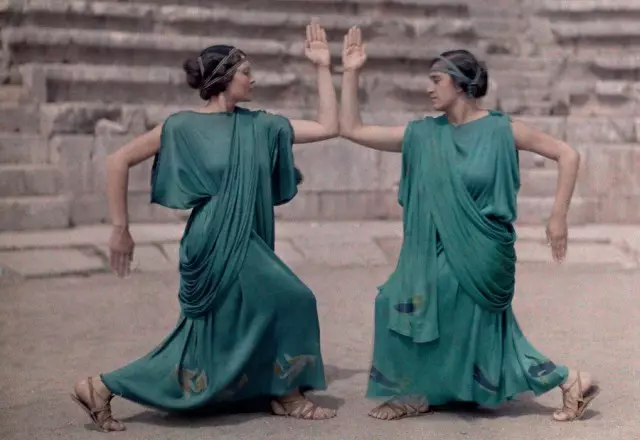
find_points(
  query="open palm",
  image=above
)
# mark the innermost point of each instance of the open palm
(316, 47)
(353, 55)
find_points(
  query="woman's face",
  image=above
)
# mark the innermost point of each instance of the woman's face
(241, 86)
(442, 90)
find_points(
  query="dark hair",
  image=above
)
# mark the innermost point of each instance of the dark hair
(199, 76)
(469, 65)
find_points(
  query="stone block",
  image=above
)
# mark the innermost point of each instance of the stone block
(76, 118)
(36, 263)
(337, 165)
(390, 165)
(552, 125)
(23, 148)
(19, 118)
(618, 209)
(538, 183)
(29, 213)
(72, 154)
(305, 206)
(146, 258)
(613, 169)
(288, 253)
(590, 6)
(583, 130)
(370, 205)
(29, 180)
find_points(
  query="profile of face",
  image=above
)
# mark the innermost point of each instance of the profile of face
(456, 75)
(442, 90)
(240, 88)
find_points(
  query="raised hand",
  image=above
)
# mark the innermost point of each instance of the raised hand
(316, 47)
(353, 55)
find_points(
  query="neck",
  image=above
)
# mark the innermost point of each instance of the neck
(220, 103)
(462, 111)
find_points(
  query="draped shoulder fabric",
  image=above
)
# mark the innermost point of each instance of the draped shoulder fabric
(444, 325)
(248, 325)
(225, 202)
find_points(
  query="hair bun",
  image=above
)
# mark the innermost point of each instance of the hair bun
(192, 69)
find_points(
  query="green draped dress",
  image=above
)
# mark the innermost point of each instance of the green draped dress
(444, 326)
(248, 327)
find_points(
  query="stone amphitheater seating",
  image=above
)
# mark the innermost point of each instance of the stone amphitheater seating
(82, 77)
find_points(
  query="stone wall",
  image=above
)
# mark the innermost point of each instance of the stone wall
(80, 78)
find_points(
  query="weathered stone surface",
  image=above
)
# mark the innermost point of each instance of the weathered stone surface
(72, 154)
(590, 6)
(19, 118)
(22, 148)
(76, 118)
(614, 170)
(538, 182)
(35, 263)
(341, 253)
(146, 258)
(29, 180)
(600, 129)
(596, 29)
(287, 252)
(345, 166)
(27, 213)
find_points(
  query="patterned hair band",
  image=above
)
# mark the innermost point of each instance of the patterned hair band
(453, 70)
(212, 77)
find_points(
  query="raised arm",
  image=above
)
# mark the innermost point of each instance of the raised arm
(118, 163)
(385, 138)
(530, 139)
(326, 124)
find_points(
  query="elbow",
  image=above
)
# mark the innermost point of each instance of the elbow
(569, 156)
(347, 131)
(116, 161)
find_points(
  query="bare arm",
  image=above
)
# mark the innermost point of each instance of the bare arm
(118, 163)
(326, 124)
(568, 159)
(351, 127)
(378, 137)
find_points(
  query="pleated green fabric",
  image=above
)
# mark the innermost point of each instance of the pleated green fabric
(248, 326)
(444, 326)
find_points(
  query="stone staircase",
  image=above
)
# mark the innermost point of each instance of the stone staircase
(83, 77)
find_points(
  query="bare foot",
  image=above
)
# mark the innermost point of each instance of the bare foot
(95, 399)
(298, 406)
(577, 393)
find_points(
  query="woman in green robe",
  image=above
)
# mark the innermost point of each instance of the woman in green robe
(445, 330)
(248, 326)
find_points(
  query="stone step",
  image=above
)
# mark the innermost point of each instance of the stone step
(30, 213)
(536, 210)
(19, 118)
(17, 180)
(103, 47)
(588, 32)
(416, 8)
(136, 84)
(577, 8)
(224, 22)
(610, 62)
(13, 94)
(538, 182)
(18, 148)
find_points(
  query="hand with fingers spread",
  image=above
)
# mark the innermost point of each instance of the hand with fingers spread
(121, 250)
(353, 54)
(557, 236)
(316, 47)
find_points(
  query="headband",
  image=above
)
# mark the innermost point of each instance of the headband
(211, 80)
(453, 70)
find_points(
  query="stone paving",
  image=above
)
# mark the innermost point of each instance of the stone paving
(84, 250)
